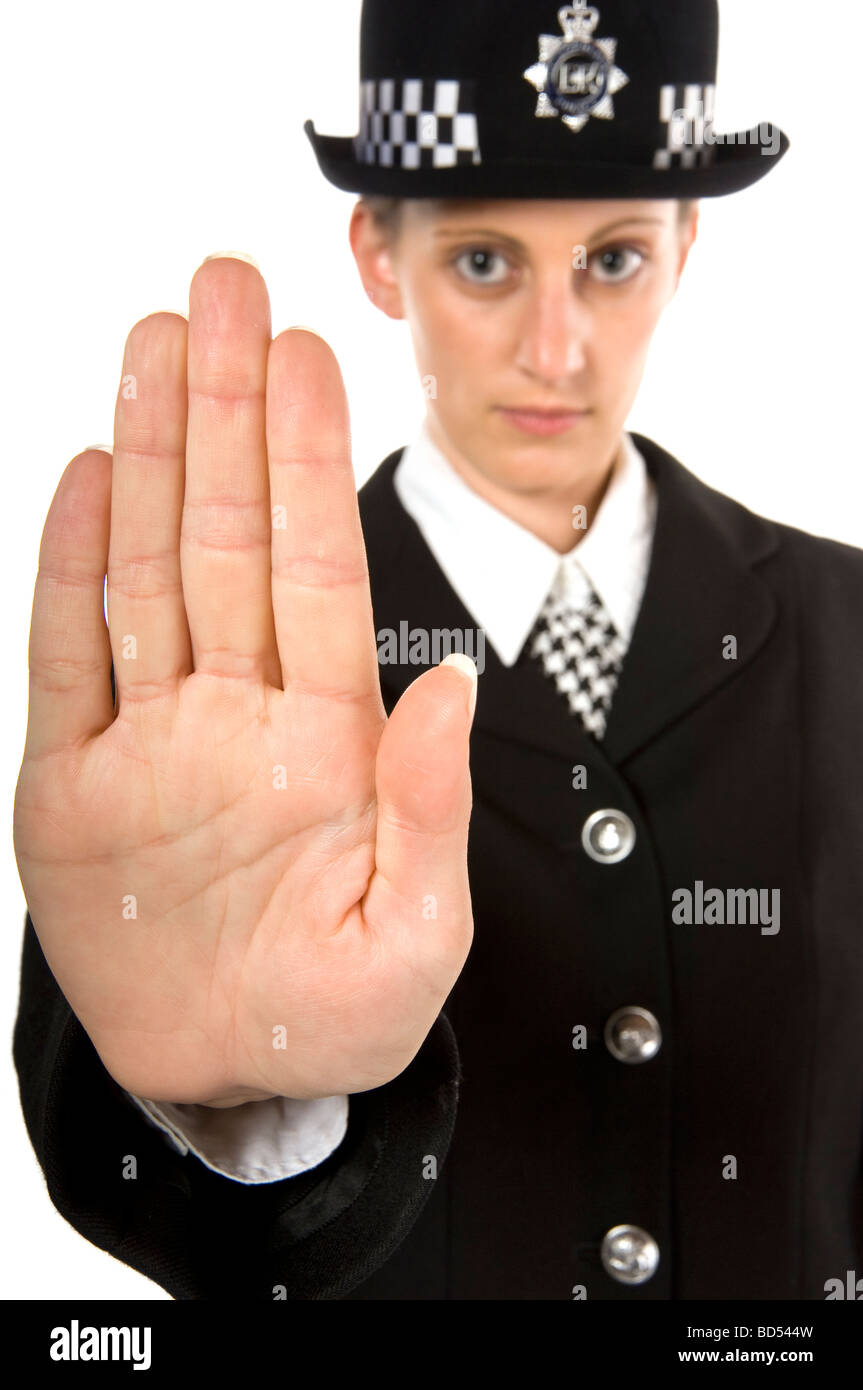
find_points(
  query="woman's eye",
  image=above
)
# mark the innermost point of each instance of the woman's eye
(617, 264)
(478, 266)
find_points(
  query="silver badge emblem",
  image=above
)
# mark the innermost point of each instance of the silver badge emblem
(576, 76)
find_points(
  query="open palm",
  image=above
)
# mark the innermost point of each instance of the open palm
(245, 879)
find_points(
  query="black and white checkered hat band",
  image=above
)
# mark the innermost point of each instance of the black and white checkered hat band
(686, 110)
(417, 123)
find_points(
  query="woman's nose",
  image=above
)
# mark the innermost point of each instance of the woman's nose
(553, 332)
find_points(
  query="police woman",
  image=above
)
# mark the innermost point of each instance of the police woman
(397, 992)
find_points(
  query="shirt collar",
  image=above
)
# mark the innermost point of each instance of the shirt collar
(502, 572)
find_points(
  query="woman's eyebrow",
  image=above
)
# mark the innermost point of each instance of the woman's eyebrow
(626, 222)
(519, 245)
(480, 231)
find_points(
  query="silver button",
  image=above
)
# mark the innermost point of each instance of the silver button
(633, 1034)
(608, 836)
(629, 1254)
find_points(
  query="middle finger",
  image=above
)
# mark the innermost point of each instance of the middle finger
(225, 548)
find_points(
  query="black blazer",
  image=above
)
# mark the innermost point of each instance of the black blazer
(738, 773)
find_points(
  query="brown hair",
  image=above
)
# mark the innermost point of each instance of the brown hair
(387, 212)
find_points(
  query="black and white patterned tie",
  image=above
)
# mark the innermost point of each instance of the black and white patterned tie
(580, 649)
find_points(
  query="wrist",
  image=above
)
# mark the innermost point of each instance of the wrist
(235, 1099)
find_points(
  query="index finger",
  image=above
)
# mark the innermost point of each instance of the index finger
(321, 598)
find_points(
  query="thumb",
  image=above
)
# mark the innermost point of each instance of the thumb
(423, 793)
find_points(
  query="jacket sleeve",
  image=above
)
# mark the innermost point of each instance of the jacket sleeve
(193, 1231)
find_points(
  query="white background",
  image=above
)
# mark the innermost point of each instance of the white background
(139, 138)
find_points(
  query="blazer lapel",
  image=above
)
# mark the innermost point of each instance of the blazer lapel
(702, 587)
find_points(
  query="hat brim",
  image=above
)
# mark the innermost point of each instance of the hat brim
(738, 161)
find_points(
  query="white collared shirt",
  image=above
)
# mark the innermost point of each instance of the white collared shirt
(503, 574)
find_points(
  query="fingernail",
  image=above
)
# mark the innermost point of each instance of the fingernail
(103, 448)
(303, 328)
(232, 256)
(463, 663)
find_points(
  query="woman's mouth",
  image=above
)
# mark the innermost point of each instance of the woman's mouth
(533, 421)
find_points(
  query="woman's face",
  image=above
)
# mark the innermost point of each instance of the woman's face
(520, 305)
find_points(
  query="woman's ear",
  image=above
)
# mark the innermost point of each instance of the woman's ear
(688, 234)
(375, 258)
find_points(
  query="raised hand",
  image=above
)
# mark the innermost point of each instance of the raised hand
(245, 879)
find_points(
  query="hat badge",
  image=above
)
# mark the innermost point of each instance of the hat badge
(576, 76)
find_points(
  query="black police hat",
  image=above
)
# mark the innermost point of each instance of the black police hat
(523, 99)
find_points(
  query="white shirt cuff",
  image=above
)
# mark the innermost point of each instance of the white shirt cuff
(262, 1141)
